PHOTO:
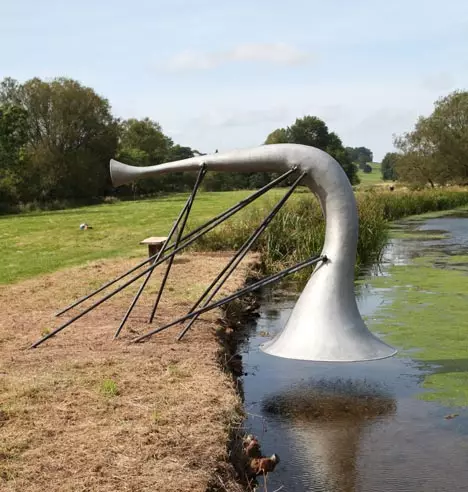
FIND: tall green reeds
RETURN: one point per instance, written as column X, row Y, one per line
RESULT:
column 298, row 229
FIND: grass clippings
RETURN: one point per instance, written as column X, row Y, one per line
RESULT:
column 86, row 413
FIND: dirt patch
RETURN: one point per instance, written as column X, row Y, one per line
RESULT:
column 85, row 413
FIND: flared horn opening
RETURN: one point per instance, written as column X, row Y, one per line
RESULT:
column 122, row 174
column 343, row 348
column 326, row 325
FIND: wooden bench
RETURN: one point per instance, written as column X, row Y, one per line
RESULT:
column 154, row 244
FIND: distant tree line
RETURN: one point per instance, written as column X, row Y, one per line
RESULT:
column 57, row 137
column 362, row 156
column 388, row 166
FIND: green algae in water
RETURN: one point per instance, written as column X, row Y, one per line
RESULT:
column 458, row 212
column 419, row 235
column 429, row 312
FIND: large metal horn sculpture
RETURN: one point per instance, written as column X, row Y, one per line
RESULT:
column 325, row 324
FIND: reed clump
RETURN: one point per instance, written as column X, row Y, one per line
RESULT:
column 399, row 204
column 298, row 230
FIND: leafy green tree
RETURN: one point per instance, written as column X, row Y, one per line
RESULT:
column 278, row 136
column 360, row 155
column 312, row 131
column 13, row 137
column 71, row 135
column 145, row 135
column 335, row 149
column 13, row 129
column 388, row 166
column 436, row 151
column 178, row 153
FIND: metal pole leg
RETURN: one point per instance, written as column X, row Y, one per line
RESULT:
column 196, row 232
column 237, row 258
column 176, row 242
column 261, row 283
column 182, row 215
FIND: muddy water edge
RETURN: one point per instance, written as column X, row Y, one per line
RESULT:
column 399, row 424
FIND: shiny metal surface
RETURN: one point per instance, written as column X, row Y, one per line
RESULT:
column 325, row 324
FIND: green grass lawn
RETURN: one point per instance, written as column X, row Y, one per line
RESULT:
column 373, row 178
column 41, row 242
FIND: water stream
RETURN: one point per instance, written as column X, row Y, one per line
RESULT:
column 358, row 426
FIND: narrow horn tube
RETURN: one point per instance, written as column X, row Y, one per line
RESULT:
column 325, row 324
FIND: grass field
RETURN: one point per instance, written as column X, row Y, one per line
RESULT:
column 373, row 178
column 42, row 242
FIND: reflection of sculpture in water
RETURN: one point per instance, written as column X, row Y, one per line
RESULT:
column 329, row 418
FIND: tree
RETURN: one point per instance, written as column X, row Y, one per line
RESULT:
column 388, row 166
column 71, row 135
column 13, row 137
column 278, row 136
column 360, row 155
column 436, row 151
column 178, row 153
column 312, row 131
column 145, row 135
column 309, row 130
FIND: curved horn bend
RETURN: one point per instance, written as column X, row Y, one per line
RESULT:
column 325, row 324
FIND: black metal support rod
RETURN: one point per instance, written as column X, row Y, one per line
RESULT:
column 215, row 220
column 129, row 282
column 183, row 213
column 188, row 242
column 238, row 257
column 200, row 177
column 104, row 286
column 261, row 283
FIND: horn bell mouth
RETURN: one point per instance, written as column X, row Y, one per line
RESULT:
column 328, row 345
column 325, row 324
column 122, row 174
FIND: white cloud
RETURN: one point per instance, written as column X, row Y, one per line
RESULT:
column 273, row 53
column 279, row 53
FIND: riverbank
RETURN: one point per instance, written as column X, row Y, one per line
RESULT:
column 82, row 409
column 298, row 230
column 86, row 412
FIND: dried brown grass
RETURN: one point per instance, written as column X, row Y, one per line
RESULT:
column 85, row 413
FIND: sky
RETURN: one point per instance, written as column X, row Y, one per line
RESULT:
column 223, row 74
